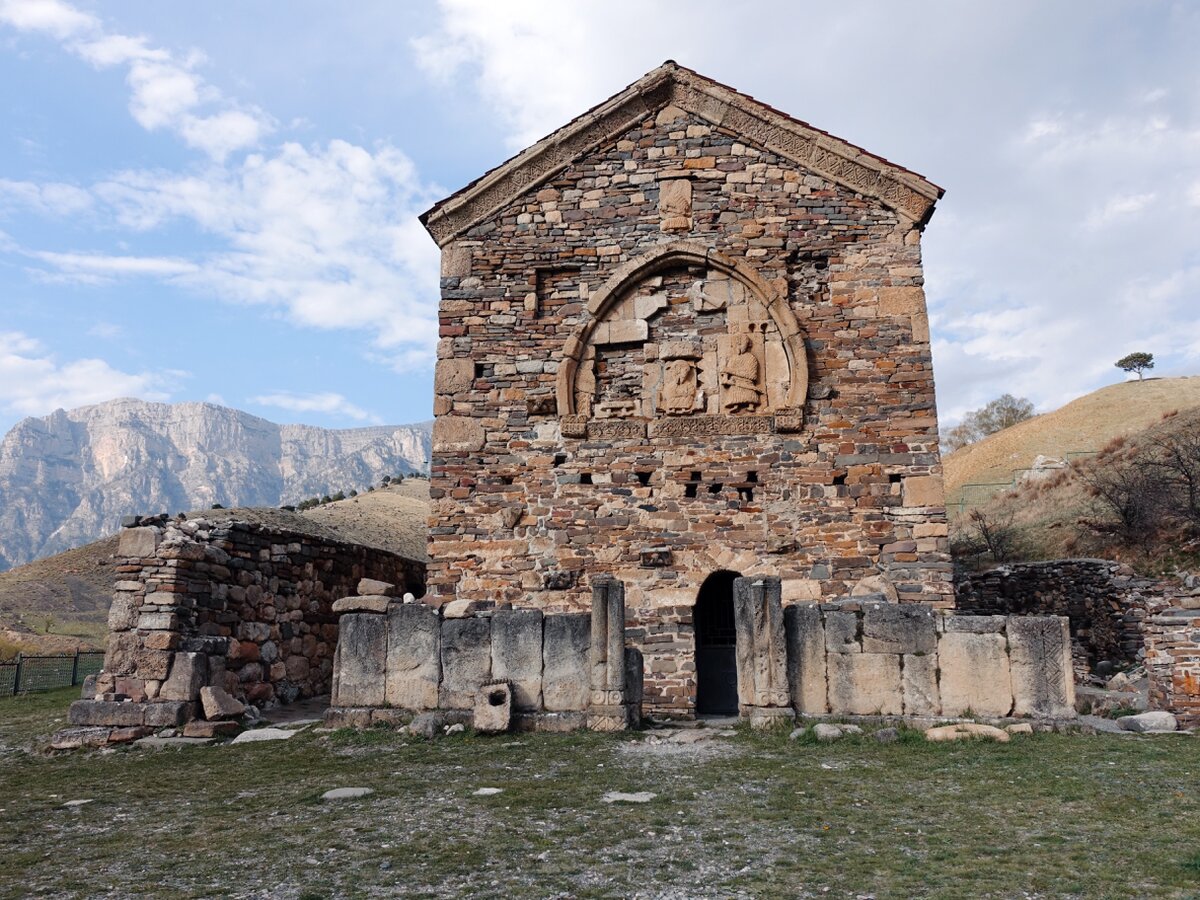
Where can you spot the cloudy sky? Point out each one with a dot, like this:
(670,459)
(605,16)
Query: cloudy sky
(219,202)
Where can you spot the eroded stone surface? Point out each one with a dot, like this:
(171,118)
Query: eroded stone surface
(414,661)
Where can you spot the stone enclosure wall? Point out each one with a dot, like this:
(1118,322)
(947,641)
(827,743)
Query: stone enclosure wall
(1105,602)
(684,351)
(240,606)
(1173,662)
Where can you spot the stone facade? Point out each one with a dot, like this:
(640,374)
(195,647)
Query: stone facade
(684,335)
(1173,661)
(234,605)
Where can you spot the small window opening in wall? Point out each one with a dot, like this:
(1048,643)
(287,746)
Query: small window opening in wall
(716,488)
(560,458)
(484,370)
(506,479)
(585,478)
(839,478)
(644,478)
(689,489)
(746,493)
(752,477)
(894,478)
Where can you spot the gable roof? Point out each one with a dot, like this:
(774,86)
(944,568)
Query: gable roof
(908,193)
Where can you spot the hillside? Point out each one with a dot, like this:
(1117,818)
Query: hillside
(1082,427)
(75,587)
(68,478)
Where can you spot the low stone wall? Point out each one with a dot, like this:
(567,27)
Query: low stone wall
(854,658)
(1105,602)
(241,606)
(1173,663)
(399,658)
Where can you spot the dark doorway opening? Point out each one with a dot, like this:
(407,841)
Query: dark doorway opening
(716,647)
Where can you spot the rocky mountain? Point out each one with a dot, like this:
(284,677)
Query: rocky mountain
(69,477)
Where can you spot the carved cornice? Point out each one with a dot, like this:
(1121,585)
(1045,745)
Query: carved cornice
(841,162)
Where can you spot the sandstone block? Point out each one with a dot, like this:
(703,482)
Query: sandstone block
(372,603)
(629,331)
(565,643)
(218,704)
(452,376)
(891,628)
(864,684)
(841,632)
(361,657)
(458,434)
(368,587)
(517,655)
(975,674)
(466,661)
(1043,680)
(919,685)
(493,708)
(189,673)
(901,301)
(924,490)
(456,260)
(106,712)
(414,663)
(169,714)
(122,614)
(805,636)
(138,543)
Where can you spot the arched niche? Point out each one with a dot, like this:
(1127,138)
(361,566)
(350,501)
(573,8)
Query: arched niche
(757,323)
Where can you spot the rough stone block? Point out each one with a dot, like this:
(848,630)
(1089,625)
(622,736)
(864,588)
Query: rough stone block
(361,656)
(138,543)
(369,587)
(628,331)
(805,636)
(890,628)
(466,661)
(973,624)
(106,712)
(517,655)
(218,704)
(453,375)
(493,708)
(565,643)
(975,674)
(864,684)
(123,613)
(189,673)
(635,677)
(1043,681)
(841,632)
(372,603)
(761,648)
(458,434)
(924,490)
(919,685)
(414,656)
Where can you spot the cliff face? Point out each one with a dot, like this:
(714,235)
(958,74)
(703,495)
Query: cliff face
(67,478)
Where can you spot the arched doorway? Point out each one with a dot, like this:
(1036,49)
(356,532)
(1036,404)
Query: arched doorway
(716,647)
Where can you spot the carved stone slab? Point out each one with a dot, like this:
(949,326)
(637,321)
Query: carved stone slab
(703,426)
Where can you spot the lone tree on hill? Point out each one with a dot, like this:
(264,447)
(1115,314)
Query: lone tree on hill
(1001,413)
(1136,362)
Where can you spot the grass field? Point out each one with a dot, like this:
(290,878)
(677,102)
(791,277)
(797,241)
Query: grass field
(755,815)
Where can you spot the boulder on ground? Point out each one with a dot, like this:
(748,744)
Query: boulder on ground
(218,704)
(1155,720)
(965,730)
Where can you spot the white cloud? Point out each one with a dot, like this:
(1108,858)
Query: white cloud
(33,382)
(325,402)
(49,198)
(106,330)
(98,268)
(1118,207)
(166,91)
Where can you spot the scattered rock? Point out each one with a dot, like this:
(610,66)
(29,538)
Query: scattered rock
(827,732)
(201,728)
(219,704)
(263,734)
(887,735)
(457,728)
(797,734)
(347,793)
(426,725)
(636,797)
(1019,728)
(367,586)
(851,729)
(1149,722)
(76,803)
(488,792)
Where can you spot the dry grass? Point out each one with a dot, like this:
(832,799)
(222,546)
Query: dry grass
(1083,425)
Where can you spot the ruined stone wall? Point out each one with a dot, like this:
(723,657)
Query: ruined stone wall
(1105,602)
(1173,662)
(641,464)
(241,606)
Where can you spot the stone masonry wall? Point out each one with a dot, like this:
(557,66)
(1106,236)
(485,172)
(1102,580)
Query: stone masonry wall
(846,487)
(1173,662)
(1105,602)
(241,606)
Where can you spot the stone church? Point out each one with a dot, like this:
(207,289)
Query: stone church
(685,463)
(683,340)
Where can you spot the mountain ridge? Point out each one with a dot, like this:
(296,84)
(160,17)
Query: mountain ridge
(67,478)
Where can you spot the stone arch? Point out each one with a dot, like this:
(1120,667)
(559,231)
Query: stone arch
(773,296)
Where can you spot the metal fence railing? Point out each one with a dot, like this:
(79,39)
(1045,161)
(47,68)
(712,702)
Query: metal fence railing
(44,673)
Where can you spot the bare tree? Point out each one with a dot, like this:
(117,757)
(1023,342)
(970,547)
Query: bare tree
(995,533)
(1003,412)
(1131,495)
(1177,458)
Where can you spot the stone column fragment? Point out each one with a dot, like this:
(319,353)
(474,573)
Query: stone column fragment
(608,708)
(414,656)
(763,692)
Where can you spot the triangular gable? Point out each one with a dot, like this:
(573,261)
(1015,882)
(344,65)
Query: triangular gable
(671,84)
